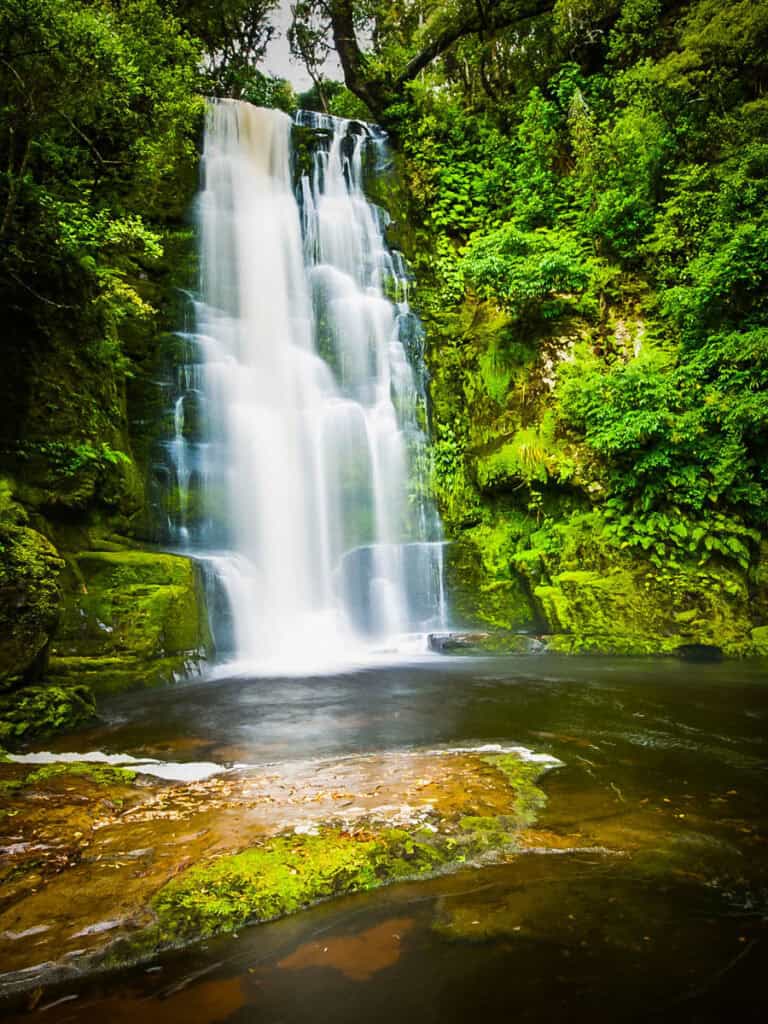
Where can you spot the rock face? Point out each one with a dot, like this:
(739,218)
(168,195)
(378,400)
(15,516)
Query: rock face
(483,587)
(627,611)
(29,601)
(129,618)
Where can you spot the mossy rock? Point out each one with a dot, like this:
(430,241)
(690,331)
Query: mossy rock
(760,641)
(500,641)
(114,674)
(130,617)
(759,588)
(100,774)
(41,710)
(624,612)
(30,568)
(482,587)
(289,872)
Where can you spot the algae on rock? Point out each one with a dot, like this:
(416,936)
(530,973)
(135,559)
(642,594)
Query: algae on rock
(39,710)
(29,600)
(130,618)
(289,872)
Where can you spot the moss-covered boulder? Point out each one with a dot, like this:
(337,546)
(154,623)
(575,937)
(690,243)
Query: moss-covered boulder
(759,638)
(29,600)
(130,618)
(40,710)
(637,611)
(482,585)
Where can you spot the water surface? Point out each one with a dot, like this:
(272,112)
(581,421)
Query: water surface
(645,900)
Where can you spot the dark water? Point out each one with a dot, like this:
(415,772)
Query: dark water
(659,915)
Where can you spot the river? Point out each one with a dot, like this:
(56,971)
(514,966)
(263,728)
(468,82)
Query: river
(645,900)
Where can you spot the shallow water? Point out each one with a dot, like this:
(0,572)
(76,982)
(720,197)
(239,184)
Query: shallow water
(645,899)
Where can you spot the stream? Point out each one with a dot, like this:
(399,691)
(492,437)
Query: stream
(642,893)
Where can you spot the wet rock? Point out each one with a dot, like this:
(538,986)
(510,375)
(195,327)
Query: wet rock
(500,642)
(444,643)
(130,618)
(168,863)
(29,600)
(700,652)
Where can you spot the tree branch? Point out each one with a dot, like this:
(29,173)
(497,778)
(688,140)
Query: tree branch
(379,91)
(489,19)
(373,92)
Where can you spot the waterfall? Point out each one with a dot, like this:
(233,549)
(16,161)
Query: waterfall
(302,479)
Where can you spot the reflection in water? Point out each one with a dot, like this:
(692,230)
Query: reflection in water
(358,956)
(204,1002)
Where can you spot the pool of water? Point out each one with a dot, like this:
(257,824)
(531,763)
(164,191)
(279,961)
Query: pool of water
(650,905)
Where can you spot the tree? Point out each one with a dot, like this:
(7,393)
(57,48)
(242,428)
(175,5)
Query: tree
(310,43)
(100,114)
(382,83)
(235,35)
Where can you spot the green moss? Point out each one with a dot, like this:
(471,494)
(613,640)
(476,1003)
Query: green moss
(533,455)
(760,641)
(522,777)
(490,835)
(284,875)
(29,599)
(289,873)
(639,610)
(38,710)
(101,774)
(130,617)
(483,586)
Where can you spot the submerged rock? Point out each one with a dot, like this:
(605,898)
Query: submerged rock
(168,863)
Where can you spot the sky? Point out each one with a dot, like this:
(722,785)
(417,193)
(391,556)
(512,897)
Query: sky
(278,60)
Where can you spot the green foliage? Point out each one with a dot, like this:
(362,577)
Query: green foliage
(40,710)
(234,36)
(100,116)
(460,170)
(677,432)
(529,273)
(268,91)
(68,460)
(672,539)
(532,456)
(611,192)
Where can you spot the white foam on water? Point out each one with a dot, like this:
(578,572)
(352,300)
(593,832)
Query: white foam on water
(174,771)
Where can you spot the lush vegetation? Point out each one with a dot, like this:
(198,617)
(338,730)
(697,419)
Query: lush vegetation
(580,187)
(99,114)
(623,177)
(587,186)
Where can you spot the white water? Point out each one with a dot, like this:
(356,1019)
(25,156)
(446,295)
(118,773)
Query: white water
(303,488)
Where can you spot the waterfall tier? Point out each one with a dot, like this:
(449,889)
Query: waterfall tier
(299,457)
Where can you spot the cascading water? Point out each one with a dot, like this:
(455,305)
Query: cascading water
(302,485)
